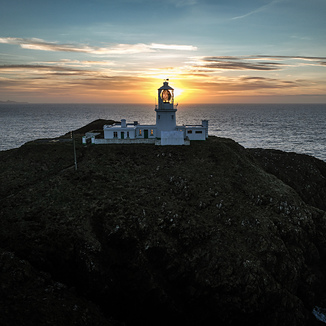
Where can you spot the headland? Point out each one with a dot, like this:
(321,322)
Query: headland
(210,233)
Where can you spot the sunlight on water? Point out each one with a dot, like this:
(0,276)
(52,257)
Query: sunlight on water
(288,127)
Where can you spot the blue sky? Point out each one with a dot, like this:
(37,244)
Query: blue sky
(120,51)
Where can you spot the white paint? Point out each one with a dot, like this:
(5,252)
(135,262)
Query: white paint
(195,132)
(172,138)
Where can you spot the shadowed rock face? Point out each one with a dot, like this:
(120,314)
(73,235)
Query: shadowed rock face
(305,174)
(150,235)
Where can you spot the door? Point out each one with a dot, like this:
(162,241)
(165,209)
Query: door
(145,133)
(122,135)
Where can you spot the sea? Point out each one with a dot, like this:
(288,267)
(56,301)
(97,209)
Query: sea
(296,128)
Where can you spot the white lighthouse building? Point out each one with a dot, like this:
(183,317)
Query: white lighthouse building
(165,110)
(164,132)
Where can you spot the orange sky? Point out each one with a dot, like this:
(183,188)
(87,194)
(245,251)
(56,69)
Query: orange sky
(253,51)
(204,80)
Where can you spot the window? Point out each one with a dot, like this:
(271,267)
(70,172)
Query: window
(189,131)
(199,131)
(139,132)
(166,96)
(127,134)
(152,132)
(159,117)
(172,116)
(115,134)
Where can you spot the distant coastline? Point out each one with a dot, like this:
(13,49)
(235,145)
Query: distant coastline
(12,102)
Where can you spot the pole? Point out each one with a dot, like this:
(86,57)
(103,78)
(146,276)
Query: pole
(75,156)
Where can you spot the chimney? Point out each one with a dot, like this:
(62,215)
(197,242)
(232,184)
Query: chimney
(205,124)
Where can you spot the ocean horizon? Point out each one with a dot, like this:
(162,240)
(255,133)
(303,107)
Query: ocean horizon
(288,127)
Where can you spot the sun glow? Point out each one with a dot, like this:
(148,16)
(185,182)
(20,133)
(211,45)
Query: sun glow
(151,89)
(177,92)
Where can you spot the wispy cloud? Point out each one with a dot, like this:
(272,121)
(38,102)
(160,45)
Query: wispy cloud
(173,47)
(236,63)
(116,49)
(291,57)
(38,68)
(254,62)
(249,86)
(82,63)
(247,82)
(297,60)
(257,10)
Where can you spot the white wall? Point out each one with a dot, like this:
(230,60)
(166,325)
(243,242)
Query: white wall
(149,128)
(124,141)
(172,138)
(196,133)
(165,121)
(109,132)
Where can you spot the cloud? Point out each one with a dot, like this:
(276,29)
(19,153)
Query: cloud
(315,61)
(237,63)
(247,85)
(254,62)
(49,72)
(262,82)
(255,11)
(173,47)
(78,63)
(39,68)
(290,57)
(117,49)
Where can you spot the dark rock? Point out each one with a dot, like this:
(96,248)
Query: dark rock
(96,125)
(189,235)
(30,297)
(304,173)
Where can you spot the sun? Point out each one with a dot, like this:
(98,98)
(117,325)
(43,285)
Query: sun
(183,91)
(177,92)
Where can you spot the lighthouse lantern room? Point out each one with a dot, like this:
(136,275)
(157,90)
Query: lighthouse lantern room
(165,96)
(165,110)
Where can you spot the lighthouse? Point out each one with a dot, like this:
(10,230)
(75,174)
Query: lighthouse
(164,132)
(165,110)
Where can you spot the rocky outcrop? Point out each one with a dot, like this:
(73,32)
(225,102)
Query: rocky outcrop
(151,235)
(304,173)
(31,297)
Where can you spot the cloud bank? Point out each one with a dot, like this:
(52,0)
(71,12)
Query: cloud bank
(117,49)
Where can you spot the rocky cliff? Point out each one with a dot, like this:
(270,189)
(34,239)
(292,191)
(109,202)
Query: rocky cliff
(207,234)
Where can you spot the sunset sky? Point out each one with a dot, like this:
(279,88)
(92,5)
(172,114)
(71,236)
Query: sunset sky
(213,51)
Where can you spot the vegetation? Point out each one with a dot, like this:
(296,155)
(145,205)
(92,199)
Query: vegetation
(178,235)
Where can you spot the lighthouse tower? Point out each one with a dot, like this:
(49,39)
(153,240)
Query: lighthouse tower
(165,111)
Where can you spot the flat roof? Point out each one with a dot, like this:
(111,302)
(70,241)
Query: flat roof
(118,127)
